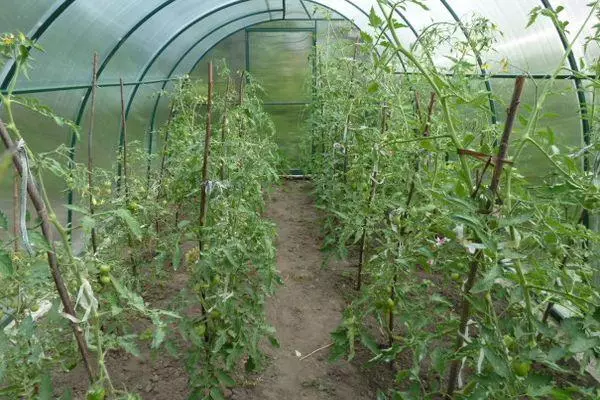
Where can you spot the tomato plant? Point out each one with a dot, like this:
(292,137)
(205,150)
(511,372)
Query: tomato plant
(129,233)
(463,247)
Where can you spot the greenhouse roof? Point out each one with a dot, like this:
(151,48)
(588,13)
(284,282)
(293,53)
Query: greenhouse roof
(155,41)
(146,38)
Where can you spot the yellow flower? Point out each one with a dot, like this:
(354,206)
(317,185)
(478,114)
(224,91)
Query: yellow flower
(8,40)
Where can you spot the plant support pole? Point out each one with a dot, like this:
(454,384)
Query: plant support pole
(16,206)
(363,239)
(89,147)
(59,282)
(224,124)
(207,139)
(124,172)
(205,178)
(478,258)
(124,139)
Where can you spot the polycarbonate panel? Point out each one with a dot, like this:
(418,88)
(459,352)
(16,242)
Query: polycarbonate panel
(290,131)
(83,28)
(183,22)
(107,128)
(186,41)
(206,43)
(355,11)
(232,49)
(42,134)
(296,9)
(560,114)
(576,12)
(280,61)
(317,11)
(24,15)
(536,49)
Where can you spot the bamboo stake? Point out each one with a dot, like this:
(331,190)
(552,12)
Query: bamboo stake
(224,124)
(205,163)
(432,100)
(163,160)
(241,99)
(16,207)
(124,136)
(205,176)
(363,239)
(47,232)
(124,172)
(89,147)
(478,258)
(242,84)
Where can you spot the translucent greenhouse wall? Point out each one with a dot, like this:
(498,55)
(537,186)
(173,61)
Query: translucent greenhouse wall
(148,43)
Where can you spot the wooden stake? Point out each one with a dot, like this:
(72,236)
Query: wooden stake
(16,207)
(241,99)
(163,159)
(124,136)
(205,163)
(432,100)
(47,232)
(478,258)
(124,173)
(205,176)
(224,123)
(89,147)
(363,239)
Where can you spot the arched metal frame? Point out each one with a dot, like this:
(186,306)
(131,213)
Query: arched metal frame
(120,43)
(172,71)
(157,54)
(55,12)
(583,108)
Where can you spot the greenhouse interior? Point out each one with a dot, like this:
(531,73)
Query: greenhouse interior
(299,199)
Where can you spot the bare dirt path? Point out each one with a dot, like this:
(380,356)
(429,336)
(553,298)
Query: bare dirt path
(304,311)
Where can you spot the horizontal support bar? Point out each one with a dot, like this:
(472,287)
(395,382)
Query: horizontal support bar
(291,29)
(80,87)
(511,76)
(286,103)
(316,19)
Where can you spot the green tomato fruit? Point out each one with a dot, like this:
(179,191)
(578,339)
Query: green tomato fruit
(200,329)
(97,393)
(105,279)
(509,341)
(521,368)
(390,303)
(105,269)
(456,277)
(35,307)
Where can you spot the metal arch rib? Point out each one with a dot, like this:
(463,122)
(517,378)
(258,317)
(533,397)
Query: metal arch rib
(167,44)
(158,97)
(105,62)
(35,34)
(177,34)
(478,58)
(154,111)
(188,51)
(583,108)
(111,53)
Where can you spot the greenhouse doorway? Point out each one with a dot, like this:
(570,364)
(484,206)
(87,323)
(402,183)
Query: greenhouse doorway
(281,59)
